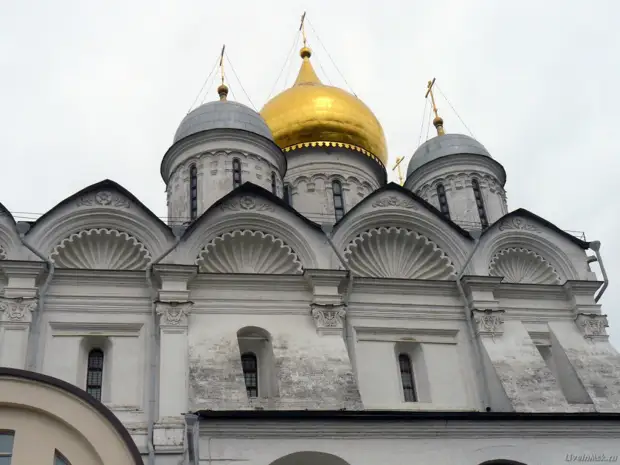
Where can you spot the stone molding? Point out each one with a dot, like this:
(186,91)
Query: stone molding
(592,325)
(103,198)
(518,223)
(394,201)
(173,314)
(329,319)
(17,310)
(488,322)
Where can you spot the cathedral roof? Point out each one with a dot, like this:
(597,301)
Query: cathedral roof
(222,114)
(311,113)
(444,145)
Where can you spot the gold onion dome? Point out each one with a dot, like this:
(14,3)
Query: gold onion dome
(312,114)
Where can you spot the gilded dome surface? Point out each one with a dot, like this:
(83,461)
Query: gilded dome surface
(313,114)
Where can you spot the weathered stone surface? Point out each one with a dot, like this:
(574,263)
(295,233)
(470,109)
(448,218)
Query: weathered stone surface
(215,375)
(315,373)
(596,363)
(526,379)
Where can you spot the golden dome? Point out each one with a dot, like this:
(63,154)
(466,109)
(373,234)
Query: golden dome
(312,114)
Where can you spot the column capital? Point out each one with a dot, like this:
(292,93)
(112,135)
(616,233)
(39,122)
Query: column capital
(592,325)
(173,314)
(488,322)
(329,319)
(17,311)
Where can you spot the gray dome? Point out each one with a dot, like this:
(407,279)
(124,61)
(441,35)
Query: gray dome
(222,115)
(441,146)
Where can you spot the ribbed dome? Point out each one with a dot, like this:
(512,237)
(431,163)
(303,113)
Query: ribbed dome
(222,115)
(442,146)
(311,114)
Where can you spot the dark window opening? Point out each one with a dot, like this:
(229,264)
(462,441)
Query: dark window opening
(274,186)
(484,221)
(286,194)
(338,200)
(250,373)
(94,374)
(236,166)
(6,446)
(406,376)
(193,192)
(443,200)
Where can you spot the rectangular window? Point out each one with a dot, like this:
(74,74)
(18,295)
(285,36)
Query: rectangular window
(6,447)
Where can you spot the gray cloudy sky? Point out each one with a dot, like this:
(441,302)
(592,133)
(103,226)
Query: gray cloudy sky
(95,89)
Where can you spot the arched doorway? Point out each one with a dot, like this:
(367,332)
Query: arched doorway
(310,458)
(68,425)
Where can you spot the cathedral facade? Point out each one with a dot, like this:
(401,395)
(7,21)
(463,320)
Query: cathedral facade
(298,309)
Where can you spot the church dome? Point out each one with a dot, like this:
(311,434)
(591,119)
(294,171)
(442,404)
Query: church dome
(444,145)
(222,114)
(313,114)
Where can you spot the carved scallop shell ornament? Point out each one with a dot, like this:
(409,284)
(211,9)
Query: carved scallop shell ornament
(101,249)
(397,253)
(523,266)
(248,252)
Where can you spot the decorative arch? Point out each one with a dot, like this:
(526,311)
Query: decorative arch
(254,217)
(9,240)
(310,458)
(516,250)
(103,205)
(395,252)
(248,251)
(101,249)
(66,413)
(451,246)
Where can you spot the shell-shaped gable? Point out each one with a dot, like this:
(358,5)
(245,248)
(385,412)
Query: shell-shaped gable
(101,249)
(248,252)
(397,253)
(9,240)
(103,226)
(252,231)
(524,248)
(518,265)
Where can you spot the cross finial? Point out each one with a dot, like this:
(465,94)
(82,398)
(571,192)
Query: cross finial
(302,28)
(438,121)
(399,171)
(222,90)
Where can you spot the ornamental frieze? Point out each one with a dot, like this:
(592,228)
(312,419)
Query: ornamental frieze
(17,310)
(393,201)
(246,203)
(103,199)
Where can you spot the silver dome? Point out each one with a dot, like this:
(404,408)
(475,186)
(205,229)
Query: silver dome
(441,146)
(222,115)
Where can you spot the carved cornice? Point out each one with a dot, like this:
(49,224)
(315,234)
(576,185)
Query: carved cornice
(518,223)
(329,319)
(394,201)
(488,322)
(22,269)
(103,198)
(96,328)
(17,310)
(398,334)
(173,313)
(592,325)
(247,202)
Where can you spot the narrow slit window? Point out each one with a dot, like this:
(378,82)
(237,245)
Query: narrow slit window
(406,376)
(193,192)
(250,373)
(236,167)
(443,200)
(286,194)
(484,221)
(94,374)
(6,446)
(338,200)
(274,185)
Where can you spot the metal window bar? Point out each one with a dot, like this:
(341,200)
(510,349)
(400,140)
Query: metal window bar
(406,375)
(94,374)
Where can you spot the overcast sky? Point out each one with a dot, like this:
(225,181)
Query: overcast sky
(95,89)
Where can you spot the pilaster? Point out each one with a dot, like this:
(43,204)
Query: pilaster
(479,291)
(581,296)
(174,356)
(327,307)
(22,278)
(15,319)
(174,280)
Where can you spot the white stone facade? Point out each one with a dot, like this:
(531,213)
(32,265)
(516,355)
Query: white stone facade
(505,323)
